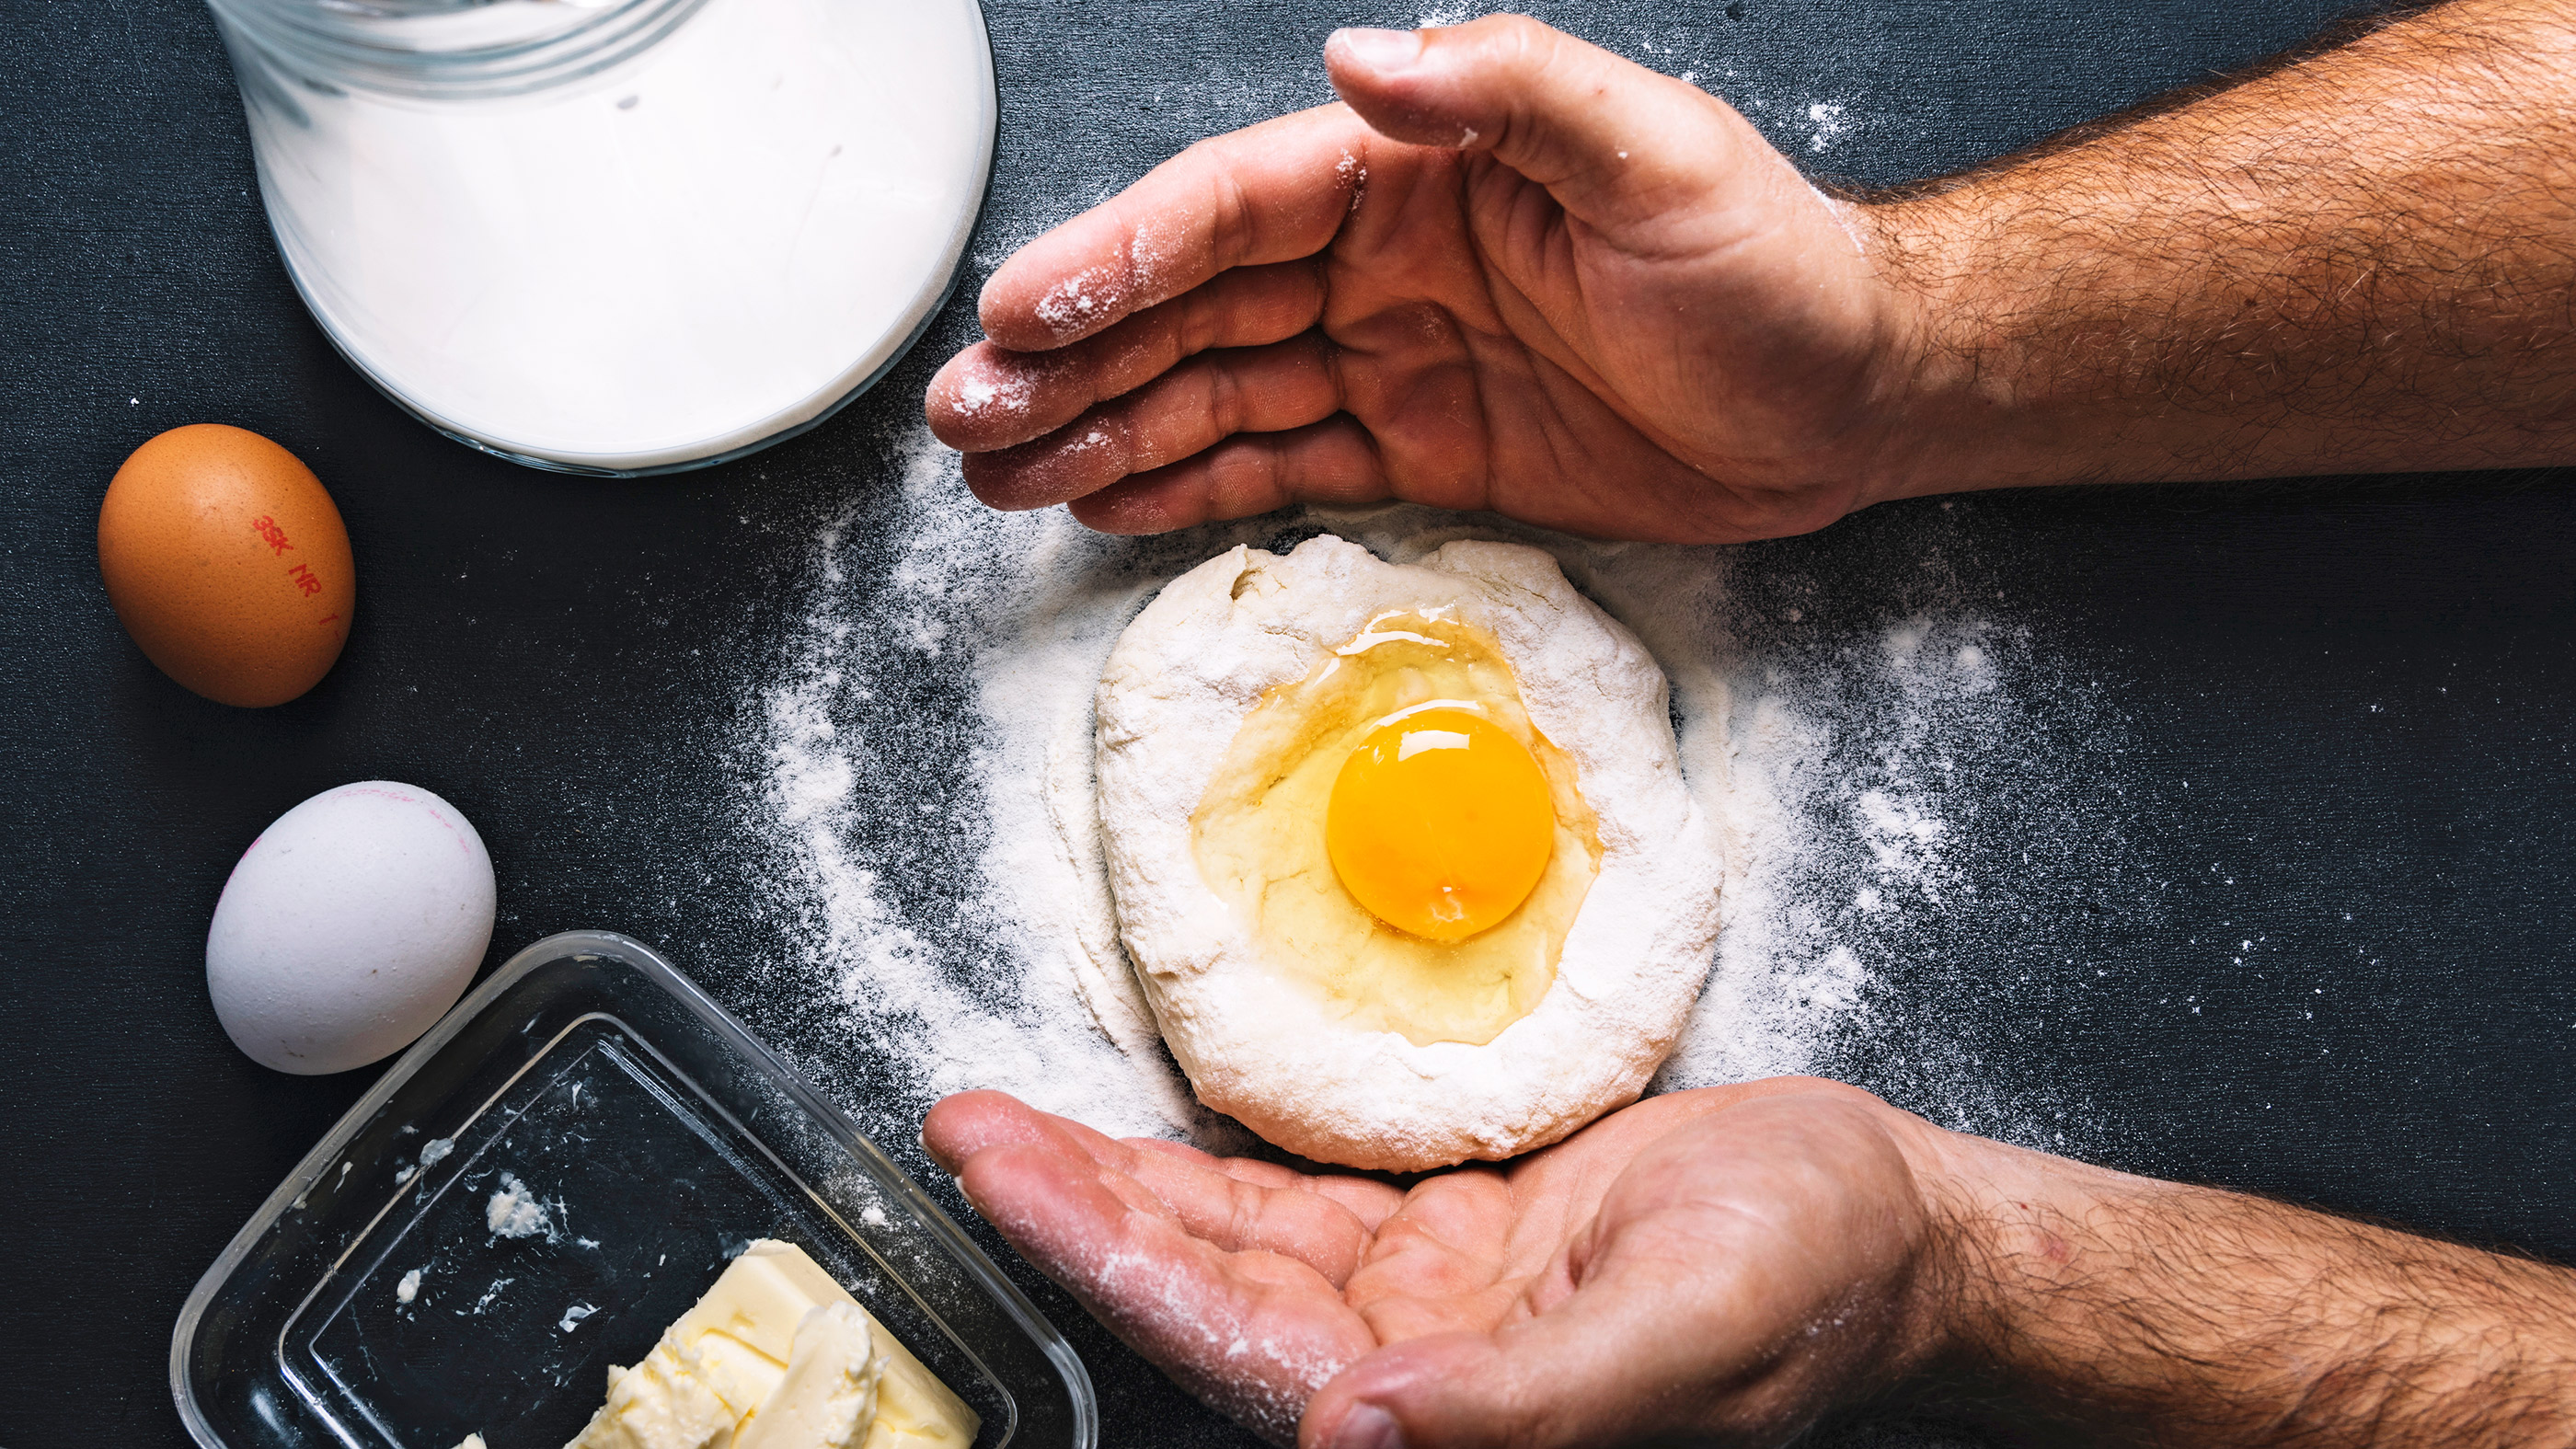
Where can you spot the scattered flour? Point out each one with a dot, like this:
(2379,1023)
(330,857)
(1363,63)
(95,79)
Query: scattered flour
(409,1288)
(980,393)
(921,785)
(1828,123)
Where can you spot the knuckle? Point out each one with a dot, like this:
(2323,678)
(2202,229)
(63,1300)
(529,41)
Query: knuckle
(1225,401)
(1520,43)
(1230,217)
(1193,323)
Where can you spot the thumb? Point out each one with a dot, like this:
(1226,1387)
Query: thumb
(1567,1379)
(1447,1391)
(1610,139)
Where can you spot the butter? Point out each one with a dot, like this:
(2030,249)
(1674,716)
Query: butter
(778,1355)
(829,1393)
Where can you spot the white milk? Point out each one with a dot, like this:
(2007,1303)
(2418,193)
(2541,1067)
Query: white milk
(704,246)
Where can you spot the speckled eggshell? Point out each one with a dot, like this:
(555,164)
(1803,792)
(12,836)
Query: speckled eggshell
(349,927)
(227,561)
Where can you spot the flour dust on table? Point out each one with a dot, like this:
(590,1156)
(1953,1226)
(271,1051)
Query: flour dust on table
(919,778)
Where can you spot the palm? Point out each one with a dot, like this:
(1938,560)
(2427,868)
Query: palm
(1685,1224)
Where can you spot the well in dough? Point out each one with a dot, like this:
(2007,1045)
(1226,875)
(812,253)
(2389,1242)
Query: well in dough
(1225,715)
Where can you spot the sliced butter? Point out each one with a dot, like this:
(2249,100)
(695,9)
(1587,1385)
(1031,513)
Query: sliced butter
(828,1396)
(755,1365)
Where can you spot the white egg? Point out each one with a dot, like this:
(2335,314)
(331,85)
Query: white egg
(349,927)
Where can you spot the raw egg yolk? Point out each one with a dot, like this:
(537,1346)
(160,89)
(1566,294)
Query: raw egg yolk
(1440,823)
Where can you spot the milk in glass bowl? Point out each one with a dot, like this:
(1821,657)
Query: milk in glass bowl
(618,236)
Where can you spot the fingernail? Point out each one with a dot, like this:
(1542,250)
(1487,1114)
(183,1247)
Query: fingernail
(1379,50)
(1367,1426)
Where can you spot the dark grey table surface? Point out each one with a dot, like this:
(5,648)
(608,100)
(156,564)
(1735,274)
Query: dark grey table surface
(2300,923)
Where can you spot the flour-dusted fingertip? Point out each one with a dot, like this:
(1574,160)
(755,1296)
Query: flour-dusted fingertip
(1062,287)
(1058,468)
(1381,74)
(1366,1426)
(1130,508)
(959,1126)
(1002,308)
(1367,49)
(985,398)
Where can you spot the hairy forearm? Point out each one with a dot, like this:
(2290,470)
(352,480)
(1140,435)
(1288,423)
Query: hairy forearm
(2363,259)
(2114,1309)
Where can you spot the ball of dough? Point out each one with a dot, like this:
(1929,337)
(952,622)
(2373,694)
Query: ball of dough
(1291,1039)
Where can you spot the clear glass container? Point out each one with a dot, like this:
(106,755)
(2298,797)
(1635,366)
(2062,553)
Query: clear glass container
(372,1303)
(618,236)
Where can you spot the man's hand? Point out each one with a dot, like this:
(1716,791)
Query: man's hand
(1733,1264)
(1514,272)
(1725,1262)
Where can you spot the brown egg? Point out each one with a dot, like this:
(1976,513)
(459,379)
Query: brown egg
(227,562)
